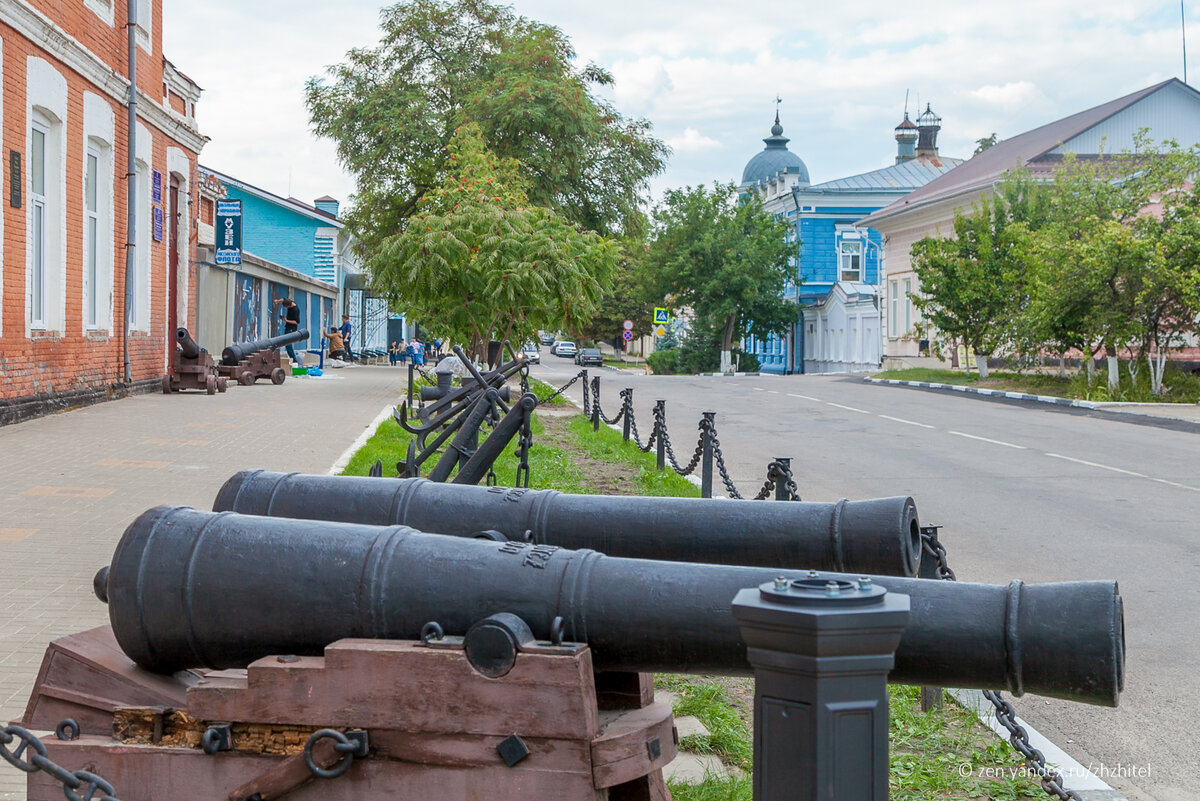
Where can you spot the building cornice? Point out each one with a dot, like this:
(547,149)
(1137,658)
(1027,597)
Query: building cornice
(38,28)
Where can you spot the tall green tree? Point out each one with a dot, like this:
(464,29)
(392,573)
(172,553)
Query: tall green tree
(392,109)
(629,298)
(972,285)
(479,261)
(726,259)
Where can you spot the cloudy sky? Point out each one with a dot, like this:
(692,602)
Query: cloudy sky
(706,73)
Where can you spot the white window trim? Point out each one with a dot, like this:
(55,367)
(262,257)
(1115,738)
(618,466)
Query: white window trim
(92,239)
(907,306)
(145,25)
(98,134)
(102,9)
(894,308)
(843,254)
(38,268)
(46,106)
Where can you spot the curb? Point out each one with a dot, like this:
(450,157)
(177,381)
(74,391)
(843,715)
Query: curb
(728,375)
(1080,404)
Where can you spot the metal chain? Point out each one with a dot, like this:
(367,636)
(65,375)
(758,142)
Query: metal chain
(71,781)
(931,546)
(523,445)
(567,386)
(683,471)
(605,418)
(637,440)
(784,472)
(730,489)
(1050,778)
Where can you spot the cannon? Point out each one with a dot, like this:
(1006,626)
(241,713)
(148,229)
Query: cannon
(867,536)
(192,367)
(187,588)
(246,362)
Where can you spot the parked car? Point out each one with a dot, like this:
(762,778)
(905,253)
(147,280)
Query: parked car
(564,348)
(547,339)
(589,357)
(531,353)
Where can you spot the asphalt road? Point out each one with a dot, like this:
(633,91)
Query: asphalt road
(1024,490)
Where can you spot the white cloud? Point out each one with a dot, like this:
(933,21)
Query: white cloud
(712,66)
(692,142)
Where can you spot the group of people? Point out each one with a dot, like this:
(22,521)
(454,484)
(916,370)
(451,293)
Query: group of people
(400,351)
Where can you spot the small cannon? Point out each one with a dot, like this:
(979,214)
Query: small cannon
(246,362)
(302,584)
(192,367)
(867,536)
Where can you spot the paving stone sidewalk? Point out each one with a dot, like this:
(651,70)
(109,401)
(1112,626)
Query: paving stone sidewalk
(75,480)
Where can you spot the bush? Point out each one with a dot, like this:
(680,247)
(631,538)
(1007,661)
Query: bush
(664,362)
(746,362)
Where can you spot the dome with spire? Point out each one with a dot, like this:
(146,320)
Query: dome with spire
(774,159)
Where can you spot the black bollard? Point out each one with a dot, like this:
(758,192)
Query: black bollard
(706,461)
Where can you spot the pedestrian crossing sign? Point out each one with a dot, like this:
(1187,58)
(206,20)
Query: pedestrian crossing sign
(661,316)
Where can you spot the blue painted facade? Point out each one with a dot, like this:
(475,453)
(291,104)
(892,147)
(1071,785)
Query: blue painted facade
(833,251)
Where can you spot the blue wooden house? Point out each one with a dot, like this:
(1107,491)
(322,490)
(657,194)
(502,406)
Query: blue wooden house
(837,318)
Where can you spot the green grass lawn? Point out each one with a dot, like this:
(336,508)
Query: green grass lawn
(1182,387)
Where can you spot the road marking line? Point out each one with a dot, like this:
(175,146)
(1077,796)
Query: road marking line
(757,389)
(773,391)
(847,408)
(805,397)
(1096,464)
(1175,484)
(985,439)
(906,422)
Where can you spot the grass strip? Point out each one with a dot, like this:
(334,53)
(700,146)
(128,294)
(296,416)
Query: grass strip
(1181,386)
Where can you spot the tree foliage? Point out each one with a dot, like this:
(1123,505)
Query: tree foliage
(1103,258)
(478,260)
(628,298)
(726,259)
(393,108)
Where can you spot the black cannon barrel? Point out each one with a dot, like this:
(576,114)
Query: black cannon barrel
(240,350)
(475,468)
(188,588)
(188,345)
(868,536)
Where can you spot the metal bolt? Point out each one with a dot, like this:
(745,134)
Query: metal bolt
(813,574)
(864,583)
(832,588)
(781,583)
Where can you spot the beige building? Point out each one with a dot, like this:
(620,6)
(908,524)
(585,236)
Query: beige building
(1167,110)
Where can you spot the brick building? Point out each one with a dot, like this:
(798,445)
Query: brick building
(64,331)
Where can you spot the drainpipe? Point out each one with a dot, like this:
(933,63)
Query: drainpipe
(131,185)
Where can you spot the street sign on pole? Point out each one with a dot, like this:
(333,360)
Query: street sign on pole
(661,331)
(628,335)
(628,325)
(662,316)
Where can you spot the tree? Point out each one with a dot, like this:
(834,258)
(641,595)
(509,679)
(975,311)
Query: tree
(725,258)
(984,143)
(479,262)
(972,285)
(392,110)
(627,299)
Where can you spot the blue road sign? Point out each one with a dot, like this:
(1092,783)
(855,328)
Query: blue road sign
(662,316)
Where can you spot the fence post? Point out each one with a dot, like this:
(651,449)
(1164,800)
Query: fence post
(596,404)
(410,385)
(781,489)
(660,427)
(587,410)
(821,649)
(628,408)
(706,462)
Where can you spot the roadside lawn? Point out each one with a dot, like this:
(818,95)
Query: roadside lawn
(1180,386)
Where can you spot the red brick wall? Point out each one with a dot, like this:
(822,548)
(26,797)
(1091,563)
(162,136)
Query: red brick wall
(73,359)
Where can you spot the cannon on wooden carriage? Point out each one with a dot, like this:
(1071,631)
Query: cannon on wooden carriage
(192,367)
(417,665)
(246,362)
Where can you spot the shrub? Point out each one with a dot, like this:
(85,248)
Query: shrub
(664,362)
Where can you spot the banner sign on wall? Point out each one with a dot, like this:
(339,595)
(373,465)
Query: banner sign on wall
(229,232)
(158,224)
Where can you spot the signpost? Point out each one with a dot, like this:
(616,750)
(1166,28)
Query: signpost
(229,232)
(628,325)
(628,335)
(661,316)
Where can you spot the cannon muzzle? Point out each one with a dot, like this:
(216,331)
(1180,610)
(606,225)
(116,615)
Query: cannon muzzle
(236,352)
(188,345)
(189,588)
(870,536)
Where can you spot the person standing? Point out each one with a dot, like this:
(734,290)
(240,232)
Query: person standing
(402,352)
(345,329)
(394,353)
(289,313)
